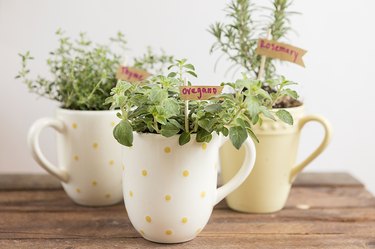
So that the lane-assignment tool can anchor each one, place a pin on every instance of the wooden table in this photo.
(323, 211)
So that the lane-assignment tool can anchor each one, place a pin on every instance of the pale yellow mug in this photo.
(267, 187)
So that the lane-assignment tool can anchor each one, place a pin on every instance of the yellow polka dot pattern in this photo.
(186, 173)
(167, 150)
(168, 198)
(78, 190)
(111, 162)
(113, 124)
(204, 146)
(76, 158)
(94, 183)
(144, 172)
(74, 125)
(148, 219)
(95, 145)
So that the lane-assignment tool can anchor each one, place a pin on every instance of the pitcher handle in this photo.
(36, 152)
(242, 173)
(327, 138)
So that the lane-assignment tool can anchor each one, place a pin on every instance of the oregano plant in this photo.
(155, 106)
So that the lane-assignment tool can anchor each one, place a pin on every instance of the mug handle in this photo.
(242, 173)
(327, 138)
(36, 152)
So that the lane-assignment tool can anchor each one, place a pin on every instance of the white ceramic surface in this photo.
(89, 158)
(170, 190)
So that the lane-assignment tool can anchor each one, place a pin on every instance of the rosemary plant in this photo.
(237, 39)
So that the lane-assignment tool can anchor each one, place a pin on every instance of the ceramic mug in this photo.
(267, 188)
(89, 158)
(170, 190)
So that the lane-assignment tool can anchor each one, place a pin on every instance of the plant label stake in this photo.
(186, 110)
(278, 50)
(199, 92)
(131, 74)
(263, 60)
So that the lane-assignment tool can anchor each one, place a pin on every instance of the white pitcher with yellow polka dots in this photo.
(89, 158)
(170, 190)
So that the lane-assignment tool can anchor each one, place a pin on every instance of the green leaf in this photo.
(192, 73)
(123, 132)
(158, 95)
(184, 138)
(267, 113)
(169, 130)
(252, 134)
(203, 136)
(175, 123)
(291, 93)
(213, 108)
(171, 107)
(172, 74)
(285, 116)
(237, 135)
(189, 66)
(253, 105)
(225, 132)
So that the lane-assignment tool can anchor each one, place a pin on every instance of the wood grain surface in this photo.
(324, 210)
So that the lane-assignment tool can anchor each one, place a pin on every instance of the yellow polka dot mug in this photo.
(170, 190)
(89, 158)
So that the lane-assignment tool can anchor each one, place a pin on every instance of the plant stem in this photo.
(238, 113)
(156, 126)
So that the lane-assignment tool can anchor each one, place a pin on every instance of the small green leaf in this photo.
(192, 73)
(252, 134)
(213, 108)
(267, 113)
(225, 132)
(123, 132)
(158, 95)
(172, 74)
(169, 130)
(237, 135)
(189, 66)
(175, 123)
(285, 116)
(203, 136)
(184, 138)
(291, 93)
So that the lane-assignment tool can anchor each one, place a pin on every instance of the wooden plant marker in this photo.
(197, 93)
(278, 50)
(131, 74)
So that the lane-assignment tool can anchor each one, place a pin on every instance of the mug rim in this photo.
(84, 112)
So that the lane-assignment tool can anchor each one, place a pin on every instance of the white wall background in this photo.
(338, 82)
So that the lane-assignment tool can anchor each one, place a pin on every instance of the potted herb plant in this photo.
(268, 186)
(171, 151)
(82, 76)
